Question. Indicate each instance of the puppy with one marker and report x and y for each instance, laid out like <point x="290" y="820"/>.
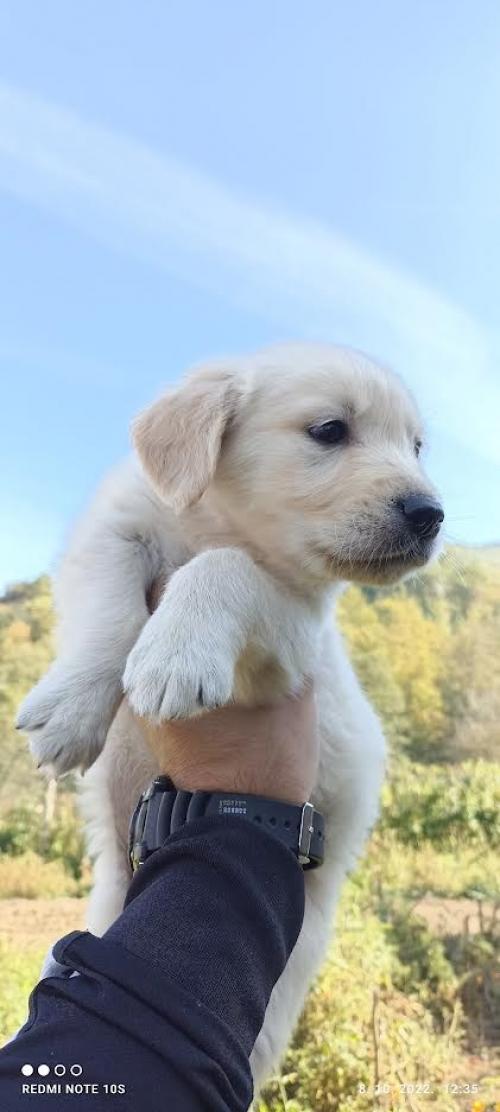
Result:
<point x="262" y="486"/>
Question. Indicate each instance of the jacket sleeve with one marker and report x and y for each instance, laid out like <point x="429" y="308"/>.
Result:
<point x="163" y="1011"/>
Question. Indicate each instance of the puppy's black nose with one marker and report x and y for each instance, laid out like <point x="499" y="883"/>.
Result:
<point x="423" y="514"/>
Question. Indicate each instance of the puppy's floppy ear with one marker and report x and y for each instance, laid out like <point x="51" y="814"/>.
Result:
<point x="179" y="438"/>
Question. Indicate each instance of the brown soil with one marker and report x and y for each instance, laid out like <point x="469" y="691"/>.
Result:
<point x="36" y="924"/>
<point x="449" y="916"/>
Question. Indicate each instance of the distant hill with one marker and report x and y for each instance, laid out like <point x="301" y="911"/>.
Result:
<point x="489" y="552"/>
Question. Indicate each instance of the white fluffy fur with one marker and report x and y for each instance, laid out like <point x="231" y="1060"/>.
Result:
<point x="267" y="526"/>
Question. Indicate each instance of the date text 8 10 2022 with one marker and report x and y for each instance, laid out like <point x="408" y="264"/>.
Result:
<point x="427" y="1088"/>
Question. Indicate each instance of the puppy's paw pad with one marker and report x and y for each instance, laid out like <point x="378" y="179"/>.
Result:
<point x="67" y="717"/>
<point x="57" y="750"/>
<point x="178" y="686"/>
<point x="199" y="686"/>
<point x="38" y="707"/>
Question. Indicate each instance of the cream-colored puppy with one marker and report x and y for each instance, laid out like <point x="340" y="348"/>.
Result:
<point x="264" y="484"/>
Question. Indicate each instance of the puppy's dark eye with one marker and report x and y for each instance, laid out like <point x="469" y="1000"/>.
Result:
<point x="329" y="432"/>
<point x="418" y="447"/>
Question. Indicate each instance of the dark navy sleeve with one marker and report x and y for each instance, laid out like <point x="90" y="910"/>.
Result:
<point x="162" y="1012"/>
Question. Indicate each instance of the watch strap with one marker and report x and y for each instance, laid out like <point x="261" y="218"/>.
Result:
<point x="162" y="809"/>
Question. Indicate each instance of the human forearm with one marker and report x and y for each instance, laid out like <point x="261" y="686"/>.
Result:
<point x="171" y="1000"/>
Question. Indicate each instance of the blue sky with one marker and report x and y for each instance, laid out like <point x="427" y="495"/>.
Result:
<point x="187" y="179"/>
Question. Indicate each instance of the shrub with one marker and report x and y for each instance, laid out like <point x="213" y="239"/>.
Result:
<point x="392" y="867"/>
<point x="29" y="876"/>
<point x="19" y="830"/>
<point x="23" y="829"/>
<point x="448" y="806"/>
<point x="65" y="841"/>
<point x="359" y="1028"/>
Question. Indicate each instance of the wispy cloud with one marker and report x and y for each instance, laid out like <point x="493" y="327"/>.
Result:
<point x="305" y="276"/>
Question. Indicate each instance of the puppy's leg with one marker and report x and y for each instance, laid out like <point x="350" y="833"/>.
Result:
<point x="108" y="796"/>
<point x="290" y="991"/>
<point x="214" y="607"/>
<point x="102" y="599"/>
<point x="112" y="878"/>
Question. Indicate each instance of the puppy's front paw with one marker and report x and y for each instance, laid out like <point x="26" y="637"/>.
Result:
<point x="67" y="716"/>
<point x="174" y="674"/>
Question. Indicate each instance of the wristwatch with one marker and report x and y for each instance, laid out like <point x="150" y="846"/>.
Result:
<point x="162" y="809"/>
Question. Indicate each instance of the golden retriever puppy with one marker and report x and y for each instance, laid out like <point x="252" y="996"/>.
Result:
<point x="261" y="486"/>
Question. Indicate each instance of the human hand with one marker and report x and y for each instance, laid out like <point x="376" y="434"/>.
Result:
<point x="270" y="751"/>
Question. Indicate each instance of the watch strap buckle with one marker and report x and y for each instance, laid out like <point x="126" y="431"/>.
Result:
<point x="306" y="832"/>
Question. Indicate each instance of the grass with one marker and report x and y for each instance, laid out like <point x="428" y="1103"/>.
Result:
<point x="398" y="1004"/>
<point x="29" y="877"/>
<point x="466" y="871"/>
<point x="19" y="971"/>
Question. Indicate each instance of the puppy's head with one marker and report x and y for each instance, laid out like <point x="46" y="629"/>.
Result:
<point x="313" y="455"/>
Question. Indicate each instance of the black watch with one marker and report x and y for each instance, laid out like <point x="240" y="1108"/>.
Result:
<point x="162" y="809"/>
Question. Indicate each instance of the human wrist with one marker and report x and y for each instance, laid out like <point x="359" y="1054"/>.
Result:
<point x="237" y="782"/>
<point x="270" y="751"/>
